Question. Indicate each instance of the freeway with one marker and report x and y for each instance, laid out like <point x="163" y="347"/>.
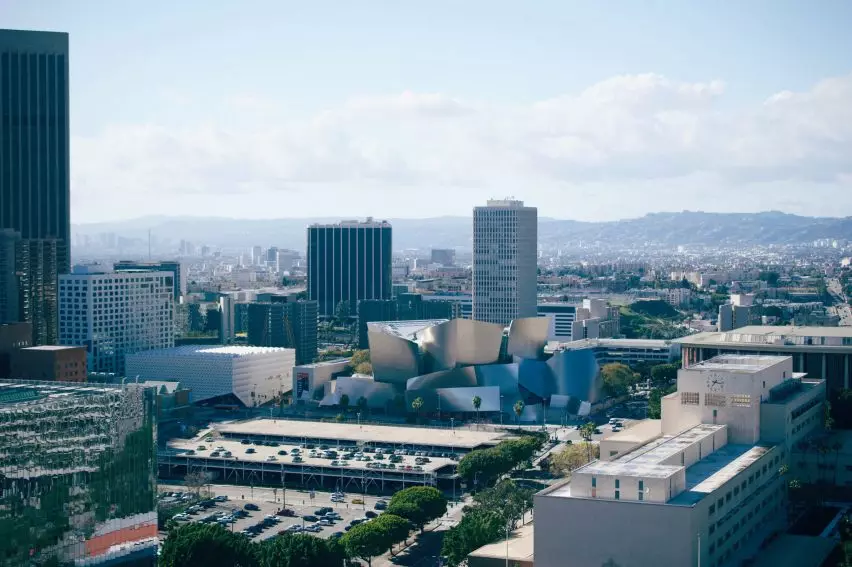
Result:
<point x="842" y="307"/>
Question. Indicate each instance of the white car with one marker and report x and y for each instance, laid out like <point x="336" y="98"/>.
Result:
<point x="271" y="458"/>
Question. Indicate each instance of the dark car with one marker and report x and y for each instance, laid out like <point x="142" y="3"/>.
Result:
<point x="245" y="442"/>
<point x="381" y="505"/>
<point x="370" y="514"/>
<point x="287" y="512"/>
<point x="282" y="452"/>
<point x="252" y="507"/>
<point x="310" y="518"/>
<point x="336" y="535"/>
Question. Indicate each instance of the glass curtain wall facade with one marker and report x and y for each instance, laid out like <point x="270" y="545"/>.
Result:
<point x="77" y="473"/>
<point x="34" y="135"/>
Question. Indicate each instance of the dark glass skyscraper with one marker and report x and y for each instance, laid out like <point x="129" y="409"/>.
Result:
<point x="34" y="137"/>
<point x="348" y="262"/>
<point x="289" y="324"/>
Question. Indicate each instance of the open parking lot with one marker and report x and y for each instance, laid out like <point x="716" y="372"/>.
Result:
<point x="268" y="502"/>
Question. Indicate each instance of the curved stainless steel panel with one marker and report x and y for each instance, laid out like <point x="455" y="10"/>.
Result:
<point x="455" y="378"/>
<point x="576" y="373"/>
<point x="394" y="359"/>
<point x="528" y="337"/>
<point x="461" y="399"/>
<point x="460" y="342"/>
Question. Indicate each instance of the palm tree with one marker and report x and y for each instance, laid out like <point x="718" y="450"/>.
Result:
<point x="477" y="403"/>
<point x="416" y="404"/>
<point x="519" y="409"/>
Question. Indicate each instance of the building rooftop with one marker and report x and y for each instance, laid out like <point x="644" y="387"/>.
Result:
<point x="716" y="469"/>
<point x="520" y="547"/>
<point x="17" y="392"/>
<point x="611" y="343"/>
<point x="661" y="449"/>
<point x="774" y="336"/>
<point x="462" y="438"/>
<point x="231" y="351"/>
<point x="639" y="432"/>
<point x="52" y="348"/>
<point x="740" y="363"/>
<point x="404" y="329"/>
<point x="325" y="363"/>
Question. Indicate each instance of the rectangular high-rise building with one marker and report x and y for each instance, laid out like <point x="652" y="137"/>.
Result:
<point x="348" y="262"/>
<point x="34" y="137"/>
<point x="289" y="324"/>
<point x="505" y="252"/>
<point x="173" y="266"/>
<point x="113" y="314"/>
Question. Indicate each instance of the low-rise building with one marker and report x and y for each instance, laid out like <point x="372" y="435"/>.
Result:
<point x="309" y="380"/>
<point x="820" y="352"/>
<point x="709" y="490"/>
<point x="253" y="375"/>
<point x="626" y="351"/>
<point x="49" y="363"/>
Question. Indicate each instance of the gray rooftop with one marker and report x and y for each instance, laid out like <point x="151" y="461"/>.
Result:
<point x="404" y="329"/>
<point x="742" y="363"/>
<point x="715" y="470"/>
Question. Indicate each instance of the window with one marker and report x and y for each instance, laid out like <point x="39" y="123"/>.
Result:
<point x="617" y="484"/>
<point x="715" y="400"/>
<point x="689" y="399"/>
<point x="711" y="510"/>
<point x="741" y="401"/>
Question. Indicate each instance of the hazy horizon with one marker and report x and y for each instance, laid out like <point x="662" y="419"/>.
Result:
<point x="331" y="109"/>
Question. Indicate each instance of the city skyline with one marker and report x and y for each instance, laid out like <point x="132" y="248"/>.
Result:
<point x="573" y="107"/>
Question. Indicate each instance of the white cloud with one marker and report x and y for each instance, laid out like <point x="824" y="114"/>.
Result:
<point x="635" y="142"/>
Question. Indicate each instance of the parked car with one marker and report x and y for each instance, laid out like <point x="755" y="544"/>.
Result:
<point x="381" y="505"/>
<point x="310" y="518"/>
<point x="252" y="507"/>
<point x="250" y="450"/>
<point x="298" y="459"/>
<point x="286" y="512"/>
<point x="221" y="498"/>
<point x="282" y="452"/>
<point x="245" y="442"/>
<point x="370" y="514"/>
<point x="271" y="458"/>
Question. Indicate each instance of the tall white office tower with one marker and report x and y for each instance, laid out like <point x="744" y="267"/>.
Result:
<point x="113" y="314"/>
<point x="505" y="249"/>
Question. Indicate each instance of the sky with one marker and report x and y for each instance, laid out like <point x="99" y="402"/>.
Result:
<point x="587" y="110"/>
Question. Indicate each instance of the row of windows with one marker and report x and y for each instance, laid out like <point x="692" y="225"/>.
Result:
<point x="774" y="462"/>
<point x="715" y="400"/>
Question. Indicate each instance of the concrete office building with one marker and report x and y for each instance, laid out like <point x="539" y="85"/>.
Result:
<point x="177" y="269"/>
<point x="283" y="323"/>
<point x="707" y="490"/>
<point x="34" y="138"/>
<point x="253" y="375"/>
<point x="505" y="252"/>
<point x="348" y="262"/>
<point x="443" y="256"/>
<point x="625" y="351"/>
<point x="49" y="363"/>
<point x="820" y="352"/>
<point x="561" y="318"/>
<point x="79" y="474"/>
<point x="114" y="314"/>
<point x="310" y="380"/>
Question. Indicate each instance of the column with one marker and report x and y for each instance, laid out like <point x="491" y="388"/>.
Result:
<point x="847" y="362"/>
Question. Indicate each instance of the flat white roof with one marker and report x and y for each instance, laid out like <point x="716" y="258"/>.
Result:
<point x="741" y="363"/>
<point x="209" y="350"/>
<point x="717" y="468"/>
<point x="463" y="438"/>
<point x="639" y="432"/>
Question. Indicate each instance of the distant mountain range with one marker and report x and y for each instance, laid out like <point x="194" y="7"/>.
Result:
<point x="664" y="229"/>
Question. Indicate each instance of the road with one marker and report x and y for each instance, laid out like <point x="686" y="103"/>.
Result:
<point x="842" y="309"/>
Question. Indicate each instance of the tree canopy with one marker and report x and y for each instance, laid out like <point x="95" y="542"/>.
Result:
<point x="300" y="550"/>
<point x="207" y="544"/>
<point x="617" y="379"/>
<point x="486" y="465"/>
<point x="418" y="504"/>
<point x="572" y="457"/>
<point x="664" y="374"/>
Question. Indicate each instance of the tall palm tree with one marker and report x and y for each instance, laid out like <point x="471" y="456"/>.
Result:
<point x="519" y="409"/>
<point x="477" y="403"/>
<point x="416" y="404"/>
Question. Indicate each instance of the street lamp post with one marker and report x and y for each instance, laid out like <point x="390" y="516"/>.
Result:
<point x="453" y="425"/>
<point x="501" y="409"/>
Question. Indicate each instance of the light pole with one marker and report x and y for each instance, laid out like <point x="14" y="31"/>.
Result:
<point x="453" y="425"/>
<point x="501" y="410"/>
<point x="507" y="544"/>
<point x="359" y="419"/>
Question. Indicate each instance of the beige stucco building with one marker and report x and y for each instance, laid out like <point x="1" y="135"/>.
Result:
<point x="703" y="486"/>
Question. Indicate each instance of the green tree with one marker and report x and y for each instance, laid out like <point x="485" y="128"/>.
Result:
<point x="519" y="409"/>
<point x="362" y="404"/>
<point x="344" y="402"/>
<point x="617" y="379"/>
<point x="364" y="368"/>
<point x="508" y="499"/>
<point x="664" y="374"/>
<point x="418" y="504"/>
<point x="300" y="550"/>
<point x="366" y="541"/>
<point x="477" y="403"/>
<point x="208" y="545"/>
<point x="417" y="405"/>
<point x="359" y="357"/>
<point x="572" y="457"/>
<point x="397" y="527"/>
<point x="483" y="466"/>
<point x="586" y="431"/>
<point x="477" y="527"/>
<point x="655" y="400"/>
